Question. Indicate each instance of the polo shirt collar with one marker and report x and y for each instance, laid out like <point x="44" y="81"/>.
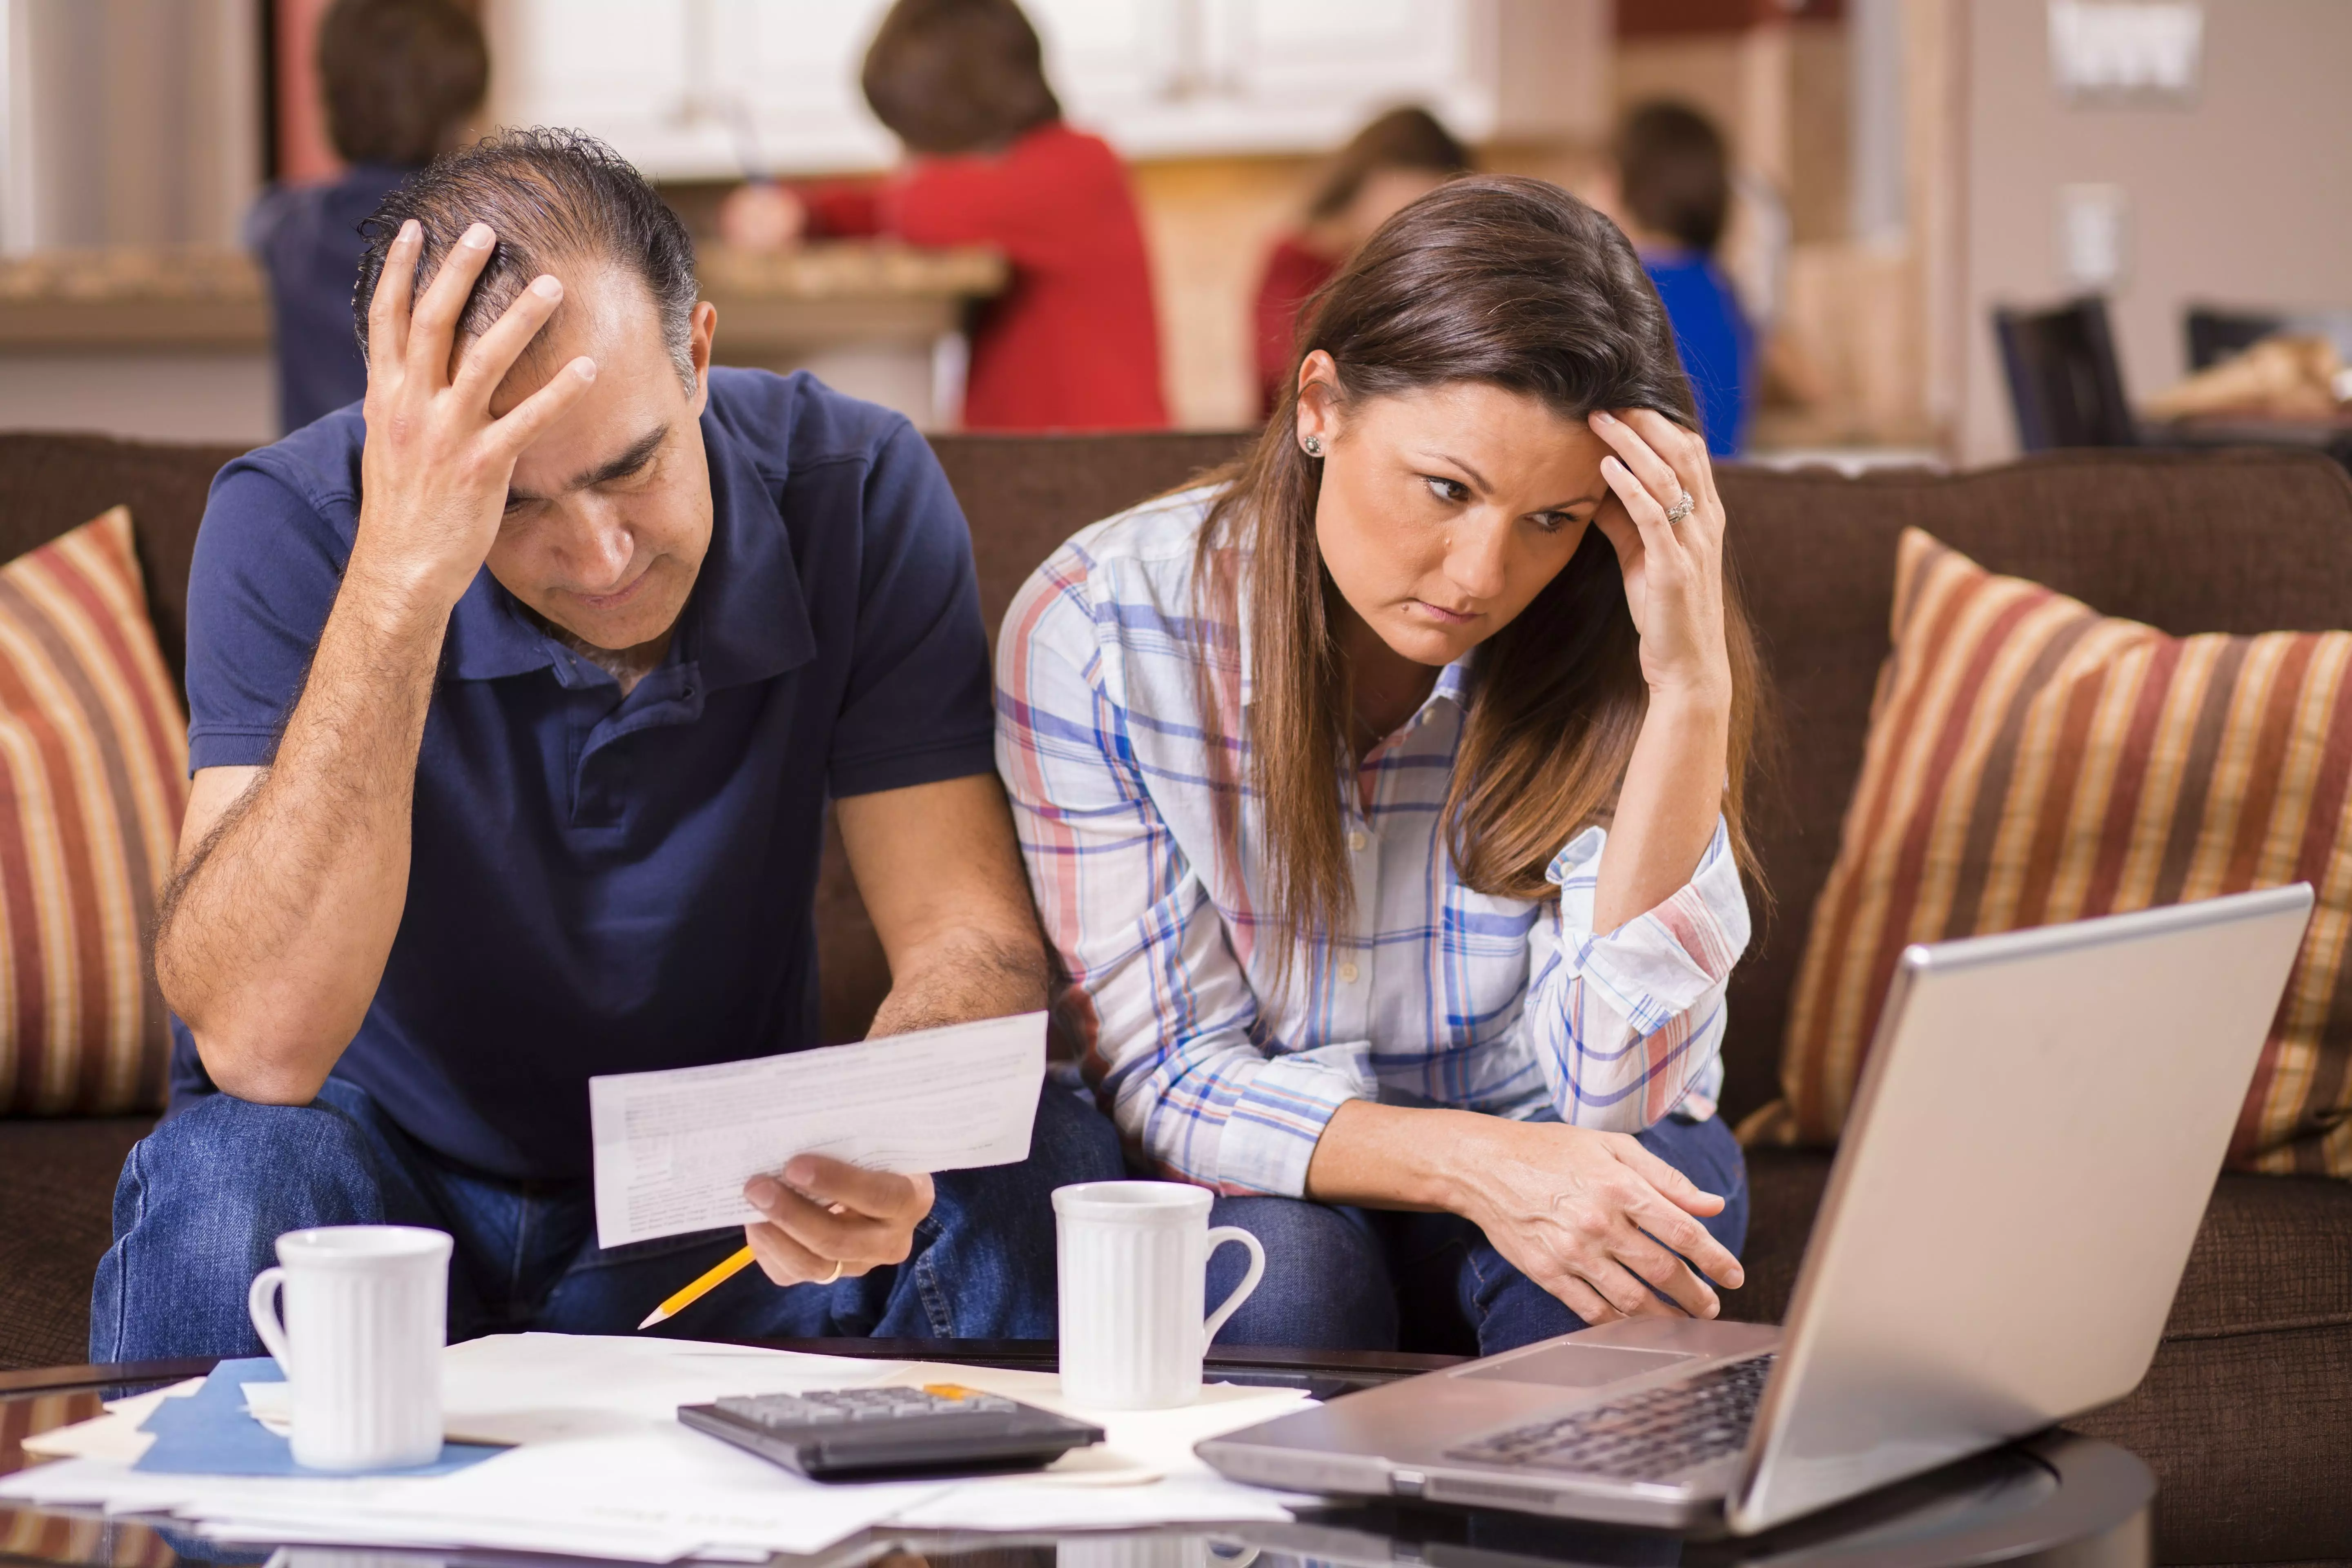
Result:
<point x="746" y="620"/>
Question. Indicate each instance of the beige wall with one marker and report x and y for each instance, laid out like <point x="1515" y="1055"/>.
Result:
<point x="2245" y="198"/>
<point x="1209" y="224"/>
<point x="1778" y="94"/>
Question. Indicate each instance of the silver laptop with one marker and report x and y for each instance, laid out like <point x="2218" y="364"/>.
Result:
<point x="2030" y="1151"/>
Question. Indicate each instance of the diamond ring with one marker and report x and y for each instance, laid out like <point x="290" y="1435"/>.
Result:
<point x="1681" y="508"/>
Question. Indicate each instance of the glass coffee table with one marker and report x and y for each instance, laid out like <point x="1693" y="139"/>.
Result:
<point x="2051" y="1500"/>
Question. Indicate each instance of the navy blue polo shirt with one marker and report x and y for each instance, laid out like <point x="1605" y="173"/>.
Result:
<point x="604" y="884"/>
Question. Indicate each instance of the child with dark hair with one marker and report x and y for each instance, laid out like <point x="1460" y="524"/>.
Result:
<point x="1403" y="155"/>
<point x="399" y="79"/>
<point x="1673" y="179"/>
<point x="1073" y="343"/>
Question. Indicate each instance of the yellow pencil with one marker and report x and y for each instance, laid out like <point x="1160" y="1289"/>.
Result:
<point x="726" y="1269"/>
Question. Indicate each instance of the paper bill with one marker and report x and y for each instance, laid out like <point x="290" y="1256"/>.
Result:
<point x="673" y="1149"/>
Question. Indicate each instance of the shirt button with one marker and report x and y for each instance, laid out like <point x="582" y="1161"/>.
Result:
<point x="1356" y="840"/>
<point x="1347" y="973"/>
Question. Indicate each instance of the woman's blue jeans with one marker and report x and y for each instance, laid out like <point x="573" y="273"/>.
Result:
<point x="203" y="1198"/>
<point x="1348" y="1279"/>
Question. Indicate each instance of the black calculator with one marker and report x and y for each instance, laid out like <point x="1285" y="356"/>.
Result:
<point x="864" y="1434"/>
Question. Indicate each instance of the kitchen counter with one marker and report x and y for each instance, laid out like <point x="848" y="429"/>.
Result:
<point x="792" y="303"/>
<point x="795" y="303"/>
<point x="140" y="300"/>
<point x="174" y="343"/>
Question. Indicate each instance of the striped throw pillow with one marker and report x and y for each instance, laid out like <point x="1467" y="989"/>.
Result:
<point x="93" y="779"/>
<point x="2031" y="761"/>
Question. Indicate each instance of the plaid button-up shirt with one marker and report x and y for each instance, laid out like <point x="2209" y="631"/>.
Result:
<point x="1224" y="1077"/>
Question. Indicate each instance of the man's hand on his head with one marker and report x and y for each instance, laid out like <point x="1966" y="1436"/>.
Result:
<point x="435" y="472"/>
<point x="825" y="1216"/>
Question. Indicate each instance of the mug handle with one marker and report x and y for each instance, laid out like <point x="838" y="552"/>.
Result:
<point x="1232" y="1304"/>
<point x="259" y="1306"/>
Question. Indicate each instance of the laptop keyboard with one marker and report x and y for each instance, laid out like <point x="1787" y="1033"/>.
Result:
<point x="1649" y="1435"/>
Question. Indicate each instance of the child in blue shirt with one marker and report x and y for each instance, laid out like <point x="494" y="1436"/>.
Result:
<point x="399" y="80"/>
<point x="1674" y="189"/>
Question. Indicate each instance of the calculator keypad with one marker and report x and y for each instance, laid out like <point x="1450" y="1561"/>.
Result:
<point x="838" y="1407"/>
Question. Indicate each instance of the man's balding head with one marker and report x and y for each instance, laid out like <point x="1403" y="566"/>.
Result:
<point x="559" y="201"/>
<point x="608" y="507"/>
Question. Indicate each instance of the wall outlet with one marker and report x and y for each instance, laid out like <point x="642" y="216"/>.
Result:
<point x="2093" y="231"/>
<point x="2130" y="51"/>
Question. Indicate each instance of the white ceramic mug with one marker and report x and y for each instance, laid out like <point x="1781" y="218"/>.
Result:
<point x="1102" y="1549"/>
<point x="366" y="1315"/>
<point x="1134" y="1263"/>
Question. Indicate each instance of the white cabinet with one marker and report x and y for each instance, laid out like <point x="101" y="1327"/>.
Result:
<point x="1114" y="59"/>
<point x="1182" y="77"/>
<point x="711" y="89"/>
<point x="695" y="89"/>
<point x="786" y="75"/>
<point x="619" y="68"/>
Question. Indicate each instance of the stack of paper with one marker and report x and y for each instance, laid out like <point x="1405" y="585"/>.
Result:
<point x="600" y="1466"/>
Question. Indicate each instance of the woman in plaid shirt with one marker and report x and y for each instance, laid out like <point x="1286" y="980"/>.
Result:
<point x="1382" y="795"/>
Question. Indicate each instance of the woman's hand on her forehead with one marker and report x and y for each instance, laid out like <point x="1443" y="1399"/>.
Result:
<point x="1665" y="522"/>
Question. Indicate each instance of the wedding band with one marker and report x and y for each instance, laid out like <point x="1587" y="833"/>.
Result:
<point x="1681" y="508"/>
<point x="834" y="1276"/>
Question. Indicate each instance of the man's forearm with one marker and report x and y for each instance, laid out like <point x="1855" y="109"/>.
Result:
<point x="973" y="973"/>
<point x="280" y="915"/>
<point x="941" y="877"/>
<point x="275" y="930"/>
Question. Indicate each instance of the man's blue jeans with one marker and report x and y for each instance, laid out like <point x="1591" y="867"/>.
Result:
<point x="1348" y="1279"/>
<point x="206" y="1195"/>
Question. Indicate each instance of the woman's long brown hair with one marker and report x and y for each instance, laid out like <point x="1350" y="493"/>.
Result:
<point x="1512" y="283"/>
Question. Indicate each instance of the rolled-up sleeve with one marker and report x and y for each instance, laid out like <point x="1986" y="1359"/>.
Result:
<point x="1167" y="1022"/>
<point x="1628" y="1024"/>
<point x="263" y="577"/>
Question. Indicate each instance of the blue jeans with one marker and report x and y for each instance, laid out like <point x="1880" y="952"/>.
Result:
<point x="1348" y="1279"/>
<point x="206" y="1195"/>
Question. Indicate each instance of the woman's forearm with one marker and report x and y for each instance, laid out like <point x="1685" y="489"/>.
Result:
<point x="1667" y="808"/>
<point x="1385" y="1157"/>
<point x="1580" y="1213"/>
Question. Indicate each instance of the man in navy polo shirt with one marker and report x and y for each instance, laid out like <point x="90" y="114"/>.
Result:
<point x="516" y="698"/>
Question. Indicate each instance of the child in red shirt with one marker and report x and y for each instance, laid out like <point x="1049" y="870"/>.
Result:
<point x="1073" y="343"/>
<point x="1398" y="158"/>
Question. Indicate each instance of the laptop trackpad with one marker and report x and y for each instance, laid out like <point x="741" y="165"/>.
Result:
<point x="1576" y="1367"/>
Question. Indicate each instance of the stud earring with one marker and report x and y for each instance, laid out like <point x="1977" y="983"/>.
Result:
<point x="1314" y="445"/>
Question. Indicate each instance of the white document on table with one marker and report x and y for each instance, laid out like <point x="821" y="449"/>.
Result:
<point x="512" y="1389"/>
<point x="604" y="1469"/>
<point x="1143" y="1473"/>
<point x="674" y="1147"/>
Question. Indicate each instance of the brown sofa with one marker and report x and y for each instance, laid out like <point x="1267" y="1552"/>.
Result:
<point x="2247" y="1417"/>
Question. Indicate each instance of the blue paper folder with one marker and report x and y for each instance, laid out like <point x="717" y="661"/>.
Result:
<point x="208" y="1433"/>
